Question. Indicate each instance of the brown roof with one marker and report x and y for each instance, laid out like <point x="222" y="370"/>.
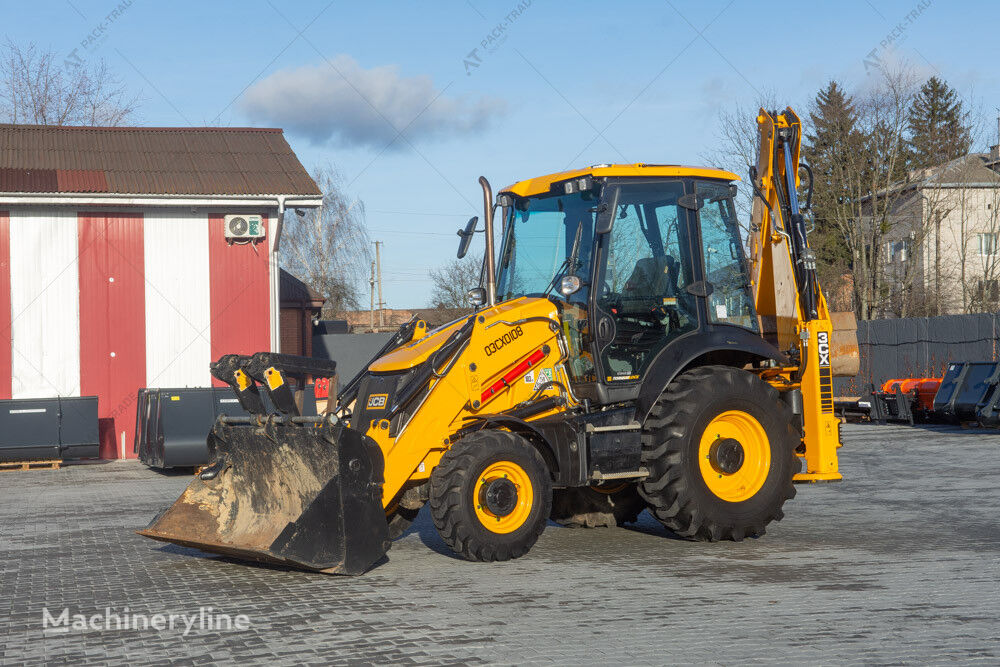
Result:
<point x="294" y="292"/>
<point x="150" y="160"/>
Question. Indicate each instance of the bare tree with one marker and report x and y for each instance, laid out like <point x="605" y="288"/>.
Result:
<point x="872" y="183"/>
<point x="984" y="291"/>
<point x="328" y="248"/>
<point x="453" y="280"/>
<point x="36" y="89"/>
<point x="975" y="235"/>
<point x="946" y="262"/>
<point x="738" y="139"/>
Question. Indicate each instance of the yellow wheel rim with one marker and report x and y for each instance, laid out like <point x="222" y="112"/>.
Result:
<point x="503" y="497"/>
<point x="734" y="456"/>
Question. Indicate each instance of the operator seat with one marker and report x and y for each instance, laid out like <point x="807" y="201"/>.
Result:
<point x="652" y="279"/>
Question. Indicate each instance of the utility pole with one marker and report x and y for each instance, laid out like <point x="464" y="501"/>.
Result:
<point x="381" y="303"/>
<point x="371" y="311"/>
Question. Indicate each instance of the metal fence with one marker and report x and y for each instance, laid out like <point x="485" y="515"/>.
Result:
<point x="891" y="348"/>
<point x="350" y="351"/>
<point x="919" y="347"/>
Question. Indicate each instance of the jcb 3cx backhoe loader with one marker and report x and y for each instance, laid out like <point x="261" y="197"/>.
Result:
<point x="624" y="354"/>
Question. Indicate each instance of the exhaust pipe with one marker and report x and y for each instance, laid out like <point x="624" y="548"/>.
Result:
<point x="491" y="268"/>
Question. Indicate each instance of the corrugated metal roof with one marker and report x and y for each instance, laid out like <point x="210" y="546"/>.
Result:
<point x="150" y="160"/>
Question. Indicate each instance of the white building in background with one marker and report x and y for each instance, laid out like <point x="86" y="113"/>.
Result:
<point x="942" y="253"/>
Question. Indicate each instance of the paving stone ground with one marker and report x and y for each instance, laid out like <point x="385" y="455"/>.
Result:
<point x="900" y="563"/>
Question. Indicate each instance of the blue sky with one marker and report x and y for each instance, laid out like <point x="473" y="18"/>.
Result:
<point x="557" y="85"/>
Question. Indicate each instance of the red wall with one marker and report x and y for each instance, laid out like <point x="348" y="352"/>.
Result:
<point x="112" y="321"/>
<point x="5" y="316"/>
<point x="240" y="294"/>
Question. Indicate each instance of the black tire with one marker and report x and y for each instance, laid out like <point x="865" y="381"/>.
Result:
<point x="454" y="497"/>
<point x="590" y="507"/>
<point x="400" y="520"/>
<point x="676" y="490"/>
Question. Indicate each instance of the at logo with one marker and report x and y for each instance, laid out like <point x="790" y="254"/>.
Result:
<point x="377" y="401"/>
<point x="823" y="348"/>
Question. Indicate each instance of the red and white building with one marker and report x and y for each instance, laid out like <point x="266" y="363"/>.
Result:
<point x="115" y="269"/>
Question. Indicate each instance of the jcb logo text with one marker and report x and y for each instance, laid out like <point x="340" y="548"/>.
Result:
<point x="377" y="401"/>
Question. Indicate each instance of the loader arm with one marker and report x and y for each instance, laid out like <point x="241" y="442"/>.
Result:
<point x="790" y="304"/>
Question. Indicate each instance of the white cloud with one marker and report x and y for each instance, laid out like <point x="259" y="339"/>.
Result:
<point x="343" y="103"/>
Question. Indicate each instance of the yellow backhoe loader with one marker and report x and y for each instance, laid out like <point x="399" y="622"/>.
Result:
<point x="624" y="354"/>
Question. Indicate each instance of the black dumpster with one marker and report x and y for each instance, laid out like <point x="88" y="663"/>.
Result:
<point x="967" y="391"/>
<point x="48" y="428"/>
<point x="172" y="425"/>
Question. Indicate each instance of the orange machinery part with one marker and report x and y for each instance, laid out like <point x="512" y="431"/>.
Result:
<point x="926" y="389"/>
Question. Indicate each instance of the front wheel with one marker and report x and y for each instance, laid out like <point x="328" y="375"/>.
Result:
<point x="490" y="496"/>
<point x="719" y="445"/>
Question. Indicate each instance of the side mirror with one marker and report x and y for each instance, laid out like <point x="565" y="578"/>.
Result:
<point x="606" y="212"/>
<point x="466" y="236"/>
<point x="476" y="296"/>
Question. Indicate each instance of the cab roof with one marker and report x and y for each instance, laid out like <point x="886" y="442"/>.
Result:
<point x="543" y="184"/>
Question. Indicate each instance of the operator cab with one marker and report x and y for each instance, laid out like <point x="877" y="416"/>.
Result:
<point x="636" y="257"/>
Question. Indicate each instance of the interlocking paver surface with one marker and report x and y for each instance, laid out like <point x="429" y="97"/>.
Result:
<point x="899" y="563"/>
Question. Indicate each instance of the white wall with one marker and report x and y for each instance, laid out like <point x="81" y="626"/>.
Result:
<point x="178" y="309"/>
<point x="45" y="303"/>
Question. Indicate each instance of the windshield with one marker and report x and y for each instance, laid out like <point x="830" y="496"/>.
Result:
<point x="540" y="234"/>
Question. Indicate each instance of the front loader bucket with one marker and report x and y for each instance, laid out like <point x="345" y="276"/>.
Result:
<point x="298" y="491"/>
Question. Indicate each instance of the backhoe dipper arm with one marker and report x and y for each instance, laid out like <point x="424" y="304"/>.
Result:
<point x="789" y="300"/>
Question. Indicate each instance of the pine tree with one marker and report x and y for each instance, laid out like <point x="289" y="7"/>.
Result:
<point x="938" y="126"/>
<point x="833" y="144"/>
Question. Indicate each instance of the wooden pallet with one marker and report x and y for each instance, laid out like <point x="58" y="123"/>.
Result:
<point x="53" y="464"/>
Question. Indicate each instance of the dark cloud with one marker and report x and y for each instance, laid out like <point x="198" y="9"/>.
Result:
<point x="345" y="104"/>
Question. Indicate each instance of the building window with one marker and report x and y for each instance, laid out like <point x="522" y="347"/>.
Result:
<point x="897" y="251"/>
<point x="987" y="244"/>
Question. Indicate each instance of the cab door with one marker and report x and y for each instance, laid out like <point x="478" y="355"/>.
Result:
<point x="641" y="295"/>
<point x="729" y="300"/>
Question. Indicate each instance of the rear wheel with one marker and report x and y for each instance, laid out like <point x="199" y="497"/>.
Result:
<point x="607" y="505"/>
<point x="490" y="496"/>
<point x="720" y="449"/>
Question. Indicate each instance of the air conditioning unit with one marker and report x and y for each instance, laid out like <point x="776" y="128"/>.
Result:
<point x="244" y="226"/>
